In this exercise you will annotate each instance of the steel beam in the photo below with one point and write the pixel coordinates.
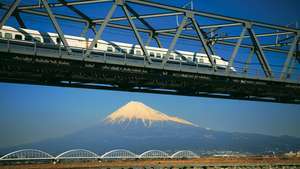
(80, 2)
(9, 12)
(166, 14)
(82, 15)
(152, 34)
(19, 19)
(101, 29)
(56, 26)
(291, 67)
(78, 12)
(203, 41)
(158, 41)
(226, 43)
(201, 27)
(292, 50)
(85, 29)
(236, 49)
(136, 33)
(257, 35)
(210, 15)
(149, 39)
(139, 18)
(142, 20)
(173, 43)
(155, 37)
(260, 53)
(248, 61)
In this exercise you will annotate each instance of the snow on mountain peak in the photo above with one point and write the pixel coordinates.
(138, 111)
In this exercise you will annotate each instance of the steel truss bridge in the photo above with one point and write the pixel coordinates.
(81, 154)
(265, 56)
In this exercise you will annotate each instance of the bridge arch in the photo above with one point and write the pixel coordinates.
(154, 154)
(184, 154)
(119, 154)
(27, 154)
(77, 154)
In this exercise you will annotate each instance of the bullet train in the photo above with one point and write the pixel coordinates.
(155, 53)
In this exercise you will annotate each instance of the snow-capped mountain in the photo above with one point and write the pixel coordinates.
(138, 128)
(135, 111)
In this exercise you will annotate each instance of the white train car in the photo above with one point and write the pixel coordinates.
(155, 53)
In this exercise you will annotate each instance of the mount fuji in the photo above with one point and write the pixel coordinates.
(137, 111)
(138, 127)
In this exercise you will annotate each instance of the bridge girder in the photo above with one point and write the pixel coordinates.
(257, 45)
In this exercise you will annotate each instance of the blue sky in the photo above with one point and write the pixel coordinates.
(30, 113)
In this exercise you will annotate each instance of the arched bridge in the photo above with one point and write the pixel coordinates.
(27, 154)
(229, 57)
(82, 154)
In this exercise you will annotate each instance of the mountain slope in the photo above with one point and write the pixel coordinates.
(139, 111)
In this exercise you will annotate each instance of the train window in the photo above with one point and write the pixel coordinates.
(28, 38)
(177, 57)
(138, 52)
(158, 55)
(171, 57)
(18, 37)
(0, 34)
(124, 50)
(37, 39)
(109, 49)
(151, 54)
(47, 40)
(201, 60)
(117, 50)
(96, 45)
(8, 36)
(131, 51)
(164, 55)
(58, 41)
